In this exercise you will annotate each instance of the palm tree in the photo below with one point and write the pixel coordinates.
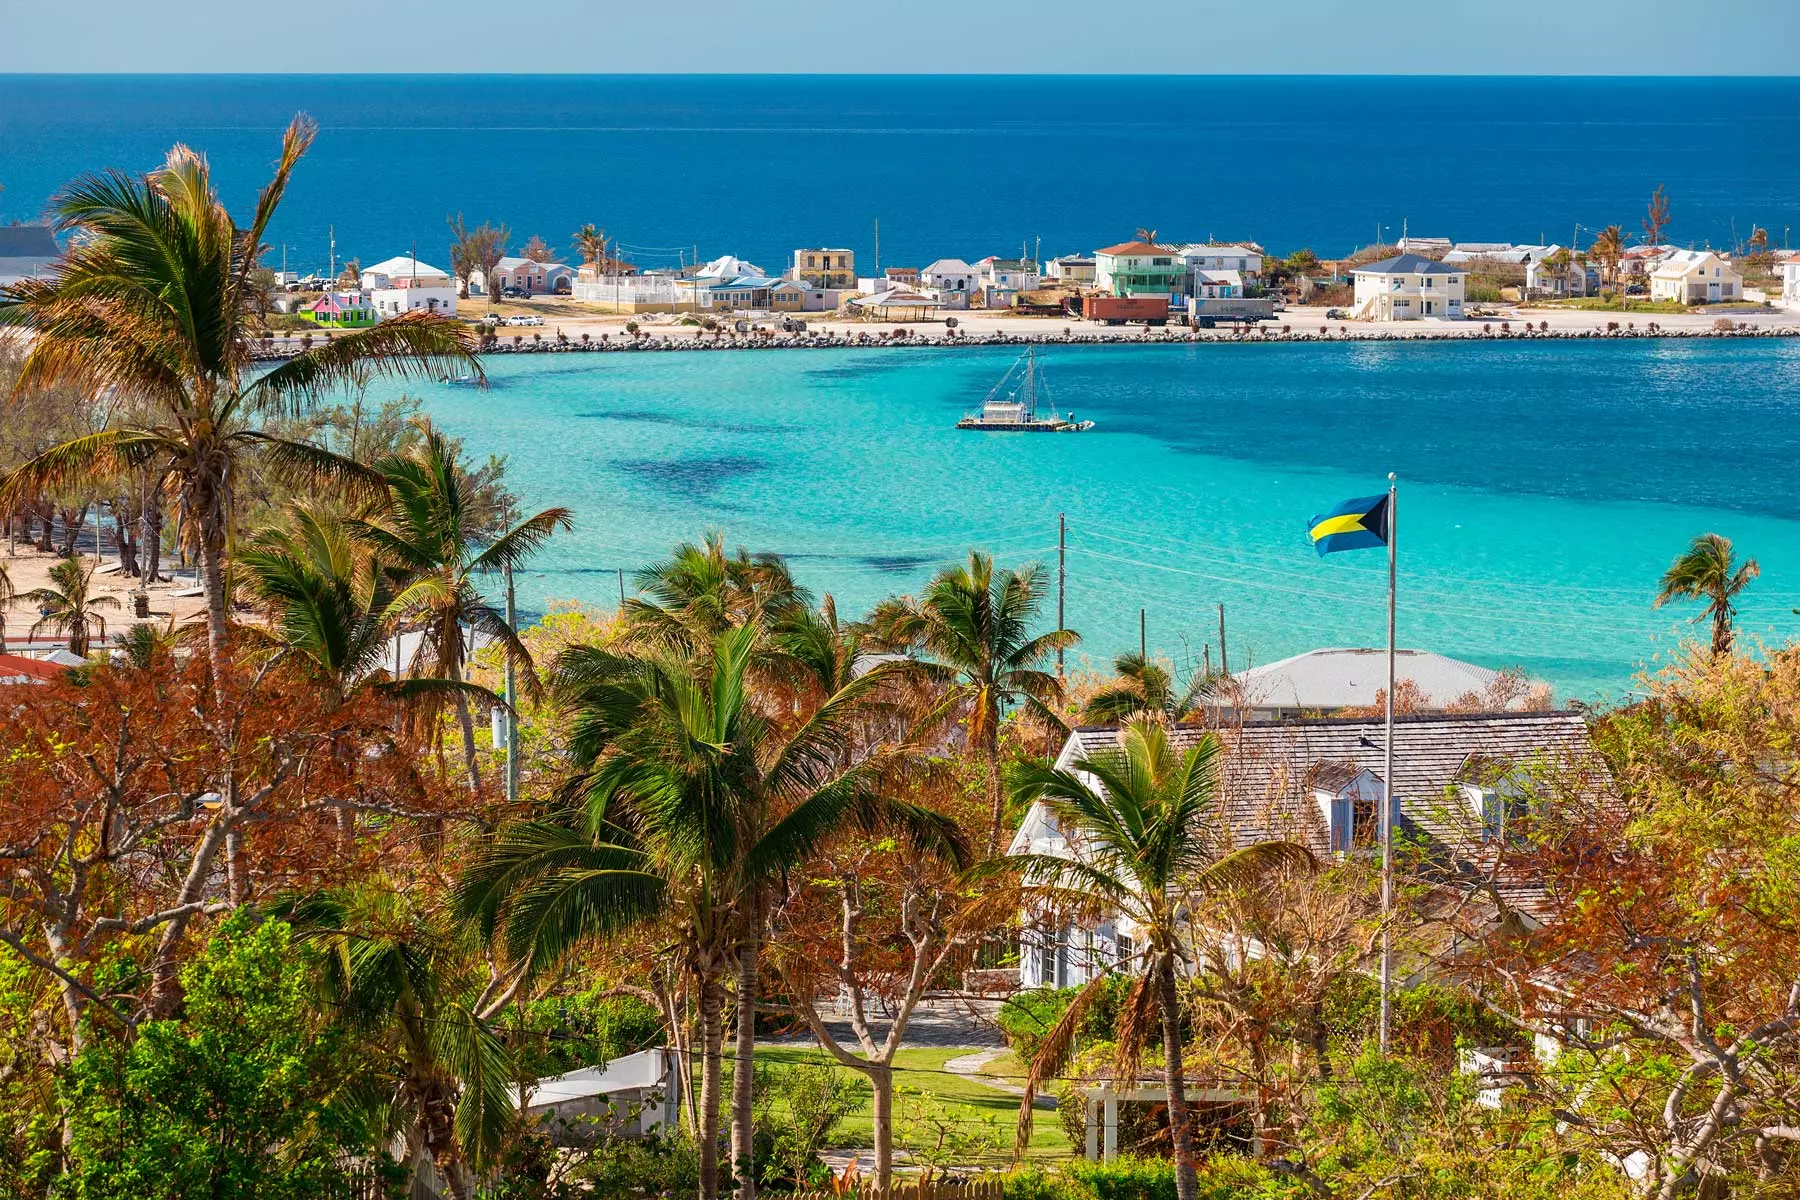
(678, 779)
(1708, 571)
(590, 243)
(1145, 688)
(155, 304)
(427, 533)
(1146, 841)
(392, 975)
(974, 627)
(1609, 250)
(700, 591)
(66, 608)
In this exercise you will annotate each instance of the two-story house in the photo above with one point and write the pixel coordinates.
(1206, 261)
(824, 268)
(1140, 268)
(1460, 778)
(1002, 279)
(1696, 277)
(1408, 287)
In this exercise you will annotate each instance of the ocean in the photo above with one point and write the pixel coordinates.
(1544, 486)
(950, 166)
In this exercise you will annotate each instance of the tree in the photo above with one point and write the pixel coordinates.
(537, 249)
(1609, 250)
(66, 607)
(1144, 688)
(153, 303)
(1150, 835)
(1656, 217)
(7, 594)
(196, 1106)
(479, 249)
(392, 973)
(974, 627)
(692, 803)
(1709, 571)
(426, 533)
(590, 243)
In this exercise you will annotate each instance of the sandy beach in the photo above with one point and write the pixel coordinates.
(29, 568)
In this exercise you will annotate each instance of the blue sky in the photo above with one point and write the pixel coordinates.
(1506, 37)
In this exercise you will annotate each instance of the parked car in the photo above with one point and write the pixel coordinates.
(1334, 314)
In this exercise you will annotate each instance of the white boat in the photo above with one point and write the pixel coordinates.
(1012, 405)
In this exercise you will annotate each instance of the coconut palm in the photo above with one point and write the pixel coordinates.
(973, 626)
(678, 778)
(1144, 688)
(1708, 570)
(67, 608)
(590, 243)
(700, 591)
(427, 533)
(393, 974)
(1148, 835)
(155, 304)
(1609, 250)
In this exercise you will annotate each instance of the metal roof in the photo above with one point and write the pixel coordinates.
(1407, 264)
(1330, 679)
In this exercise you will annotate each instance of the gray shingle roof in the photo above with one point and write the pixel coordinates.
(1407, 264)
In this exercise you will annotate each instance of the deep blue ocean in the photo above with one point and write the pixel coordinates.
(950, 166)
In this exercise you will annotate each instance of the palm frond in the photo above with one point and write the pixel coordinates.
(415, 345)
(1053, 1054)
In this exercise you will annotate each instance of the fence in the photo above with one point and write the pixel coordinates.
(991, 1187)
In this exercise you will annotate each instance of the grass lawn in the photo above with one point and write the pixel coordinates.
(975, 1109)
(1596, 304)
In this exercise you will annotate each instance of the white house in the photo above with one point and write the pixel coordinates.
(1459, 779)
(1071, 268)
(1210, 260)
(404, 284)
(1428, 247)
(1140, 268)
(1696, 277)
(1330, 680)
(527, 275)
(635, 1095)
(1002, 279)
(1575, 278)
(1215, 285)
(728, 267)
(26, 252)
(1790, 283)
(951, 275)
(1407, 287)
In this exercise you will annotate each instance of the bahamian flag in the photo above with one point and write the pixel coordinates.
(1353, 525)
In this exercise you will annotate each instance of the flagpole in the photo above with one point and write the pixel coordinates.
(1387, 788)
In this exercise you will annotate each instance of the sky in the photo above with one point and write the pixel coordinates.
(1379, 37)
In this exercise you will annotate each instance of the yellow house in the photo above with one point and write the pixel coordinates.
(834, 268)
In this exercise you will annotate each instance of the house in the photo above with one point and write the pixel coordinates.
(1696, 277)
(1458, 780)
(1425, 247)
(16, 668)
(527, 275)
(1140, 268)
(1002, 279)
(1637, 262)
(833, 268)
(748, 292)
(404, 284)
(951, 275)
(26, 252)
(727, 267)
(1408, 287)
(901, 276)
(1790, 283)
(340, 310)
(1329, 680)
(791, 295)
(1203, 259)
(633, 1096)
(1076, 269)
(1573, 277)
(1464, 253)
(1215, 285)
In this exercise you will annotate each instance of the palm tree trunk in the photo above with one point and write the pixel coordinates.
(1721, 632)
(743, 1075)
(712, 1039)
(996, 801)
(1181, 1129)
(209, 511)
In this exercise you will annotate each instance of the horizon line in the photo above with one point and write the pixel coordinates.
(1060, 76)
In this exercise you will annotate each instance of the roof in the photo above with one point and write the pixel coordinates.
(1199, 249)
(28, 241)
(1075, 260)
(402, 264)
(1124, 248)
(1270, 768)
(1407, 264)
(16, 668)
(634, 1072)
(1330, 679)
(1682, 261)
(948, 265)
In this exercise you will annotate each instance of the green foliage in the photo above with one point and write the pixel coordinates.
(940, 1135)
(1027, 1016)
(561, 1033)
(800, 1109)
(1227, 1177)
(239, 1098)
(664, 1165)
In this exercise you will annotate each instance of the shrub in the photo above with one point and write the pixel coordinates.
(1026, 1017)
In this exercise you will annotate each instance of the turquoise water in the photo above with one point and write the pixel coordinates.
(1544, 486)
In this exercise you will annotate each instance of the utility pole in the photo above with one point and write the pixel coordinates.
(1224, 662)
(1143, 638)
(512, 700)
(331, 261)
(621, 589)
(1062, 579)
(878, 247)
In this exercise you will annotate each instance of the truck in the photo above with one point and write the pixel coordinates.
(1117, 310)
(1204, 313)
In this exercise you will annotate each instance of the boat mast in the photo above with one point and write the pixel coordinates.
(1030, 383)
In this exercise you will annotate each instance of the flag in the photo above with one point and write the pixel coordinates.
(1352, 525)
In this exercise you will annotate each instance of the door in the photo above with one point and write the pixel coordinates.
(1712, 292)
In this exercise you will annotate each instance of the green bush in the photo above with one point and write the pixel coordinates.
(1225, 1177)
(1027, 1017)
(561, 1033)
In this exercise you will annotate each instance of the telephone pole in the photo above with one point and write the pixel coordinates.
(1143, 639)
(1224, 663)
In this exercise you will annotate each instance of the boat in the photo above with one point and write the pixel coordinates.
(1012, 405)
